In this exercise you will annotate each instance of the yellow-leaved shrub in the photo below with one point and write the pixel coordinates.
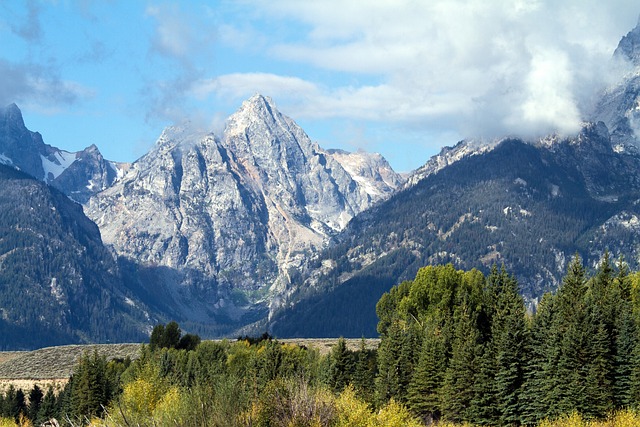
(394, 414)
(352, 412)
(171, 409)
(619, 419)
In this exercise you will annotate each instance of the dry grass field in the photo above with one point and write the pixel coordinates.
(54, 365)
(8, 355)
(324, 344)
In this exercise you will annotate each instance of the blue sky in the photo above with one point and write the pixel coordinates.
(399, 77)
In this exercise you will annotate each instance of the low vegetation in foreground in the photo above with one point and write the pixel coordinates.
(457, 349)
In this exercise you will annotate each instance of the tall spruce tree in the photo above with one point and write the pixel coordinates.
(89, 393)
(540, 372)
(625, 337)
(483, 409)
(364, 373)
(602, 302)
(35, 400)
(457, 389)
(424, 393)
(571, 327)
(341, 366)
(48, 408)
(508, 340)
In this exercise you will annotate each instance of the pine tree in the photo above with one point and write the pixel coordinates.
(340, 367)
(626, 342)
(540, 372)
(508, 339)
(14, 403)
(571, 328)
(634, 386)
(602, 301)
(364, 373)
(597, 398)
(424, 392)
(157, 337)
(483, 408)
(35, 400)
(459, 378)
(625, 337)
(172, 335)
(48, 409)
(387, 381)
(89, 391)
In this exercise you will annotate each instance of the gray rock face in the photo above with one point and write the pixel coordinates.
(619, 107)
(241, 210)
(629, 46)
(78, 175)
(371, 170)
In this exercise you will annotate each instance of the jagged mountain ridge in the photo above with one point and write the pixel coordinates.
(226, 223)
(78, 175)
(234, 214)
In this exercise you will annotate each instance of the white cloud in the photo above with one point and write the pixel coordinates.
(549, 101)
(242, 85)
(178, 34)
(27, 83)
(485, 68)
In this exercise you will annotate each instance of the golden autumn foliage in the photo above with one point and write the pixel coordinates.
(22, 422)
(619, 419)
(141, 397)
(353, 412)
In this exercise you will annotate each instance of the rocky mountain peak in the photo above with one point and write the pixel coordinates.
(77, 174)
(11, 114)
(238, 210)
(260, 103)
(618, 107)
(629, 46)
(257, 115)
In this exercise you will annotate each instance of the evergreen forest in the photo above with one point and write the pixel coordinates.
(458, 348)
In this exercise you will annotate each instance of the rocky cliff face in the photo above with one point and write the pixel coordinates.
(378, 180)
(78, 175)
(619, 108)
(230, 216)
(448, 156)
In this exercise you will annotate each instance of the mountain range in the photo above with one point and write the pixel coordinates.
(259, 228)
(206, 227)
(529, 205)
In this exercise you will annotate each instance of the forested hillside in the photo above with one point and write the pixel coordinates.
(59, 283)
(529, 206)
(457, 347)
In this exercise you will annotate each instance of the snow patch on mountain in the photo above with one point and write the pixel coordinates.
(5, 160)
(370, 170)
(53, 168)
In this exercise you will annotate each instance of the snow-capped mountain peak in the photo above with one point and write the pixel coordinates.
(79, 175)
